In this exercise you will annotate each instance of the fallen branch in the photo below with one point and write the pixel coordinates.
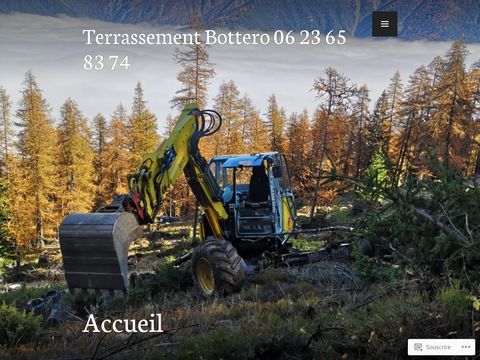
(457, 235)
(445, 228)
(373, 299)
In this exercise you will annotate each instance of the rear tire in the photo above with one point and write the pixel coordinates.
(217, 268)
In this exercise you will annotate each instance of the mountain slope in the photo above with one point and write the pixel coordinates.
(418, 19)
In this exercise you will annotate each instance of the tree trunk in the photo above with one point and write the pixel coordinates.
(319, 173)
(403, 151)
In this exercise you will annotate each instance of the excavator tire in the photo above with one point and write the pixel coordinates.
(217, 268)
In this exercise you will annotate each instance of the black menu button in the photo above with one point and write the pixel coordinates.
(384, 23)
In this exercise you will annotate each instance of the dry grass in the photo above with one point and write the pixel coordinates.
(317, 311)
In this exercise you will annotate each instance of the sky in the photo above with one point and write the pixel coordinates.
(54, 49)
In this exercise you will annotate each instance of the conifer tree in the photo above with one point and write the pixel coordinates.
(74, 161)
(413, 137)
(435, 71)
(475, 118)
(21, 220)
(452, 104)
(395, 97)
(6, 132)
(292, 125)
(361, 115)
(376, 177)
(7, 247)
(100, 163)
(298, 129)
(377, 127)
(197, 71)
(228, 104)
(276, 120)
(142, 129)
(254, 131)
(248, 112)
(116, 154)
(334, 91)
(35, 146)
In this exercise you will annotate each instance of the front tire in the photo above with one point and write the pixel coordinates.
(217, 268)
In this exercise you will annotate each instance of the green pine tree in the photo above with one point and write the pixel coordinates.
(142, 129)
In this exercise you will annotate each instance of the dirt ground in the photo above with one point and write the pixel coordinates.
(321, 310)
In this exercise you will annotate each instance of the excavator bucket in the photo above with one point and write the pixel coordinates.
(95, 249)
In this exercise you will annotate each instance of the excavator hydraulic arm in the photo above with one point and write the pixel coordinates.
(95, 245)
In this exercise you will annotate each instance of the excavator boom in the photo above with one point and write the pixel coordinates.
(95, 245)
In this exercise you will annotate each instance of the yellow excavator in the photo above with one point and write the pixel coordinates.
(247, 202)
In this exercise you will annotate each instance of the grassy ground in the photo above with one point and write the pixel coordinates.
(325, 310)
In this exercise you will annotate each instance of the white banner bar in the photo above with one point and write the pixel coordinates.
(441, 347)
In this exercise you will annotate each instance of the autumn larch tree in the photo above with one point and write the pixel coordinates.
(395, 97)
(474, 77)
(452, 106)
(377, 127)
(116, 154)
(298, 144)
(276, 120)
(229, 105)
(354, 155)
(413, 138)
(254, 131)
(334, 91)
(100, 163)
(36, 150)
(361, 115)
(292, 125)
(197, 71)
(74, 161)
(7, 246)
(5, 124)
(471, 126)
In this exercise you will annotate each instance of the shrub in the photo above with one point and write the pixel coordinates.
(430, 225)
(17, 326)
(221, 343)
(368, 268)
(456, 310)
(19, 297)
(166, 277)
(381, 330)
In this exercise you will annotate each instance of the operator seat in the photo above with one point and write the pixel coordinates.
(258, 189)
(254, 213)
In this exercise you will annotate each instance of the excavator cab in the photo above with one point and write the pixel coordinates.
(257, 196)
(256, 191)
